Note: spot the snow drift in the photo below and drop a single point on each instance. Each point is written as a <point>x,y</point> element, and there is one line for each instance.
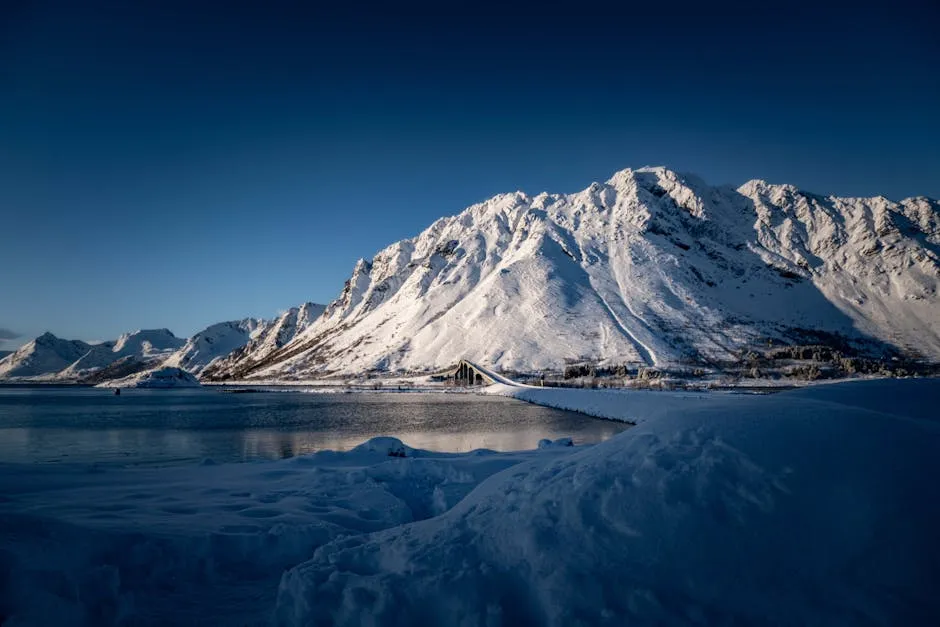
<point>787,510</point>
<point>808,507</point>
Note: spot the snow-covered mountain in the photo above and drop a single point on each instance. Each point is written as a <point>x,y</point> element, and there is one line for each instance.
<point>651,267</point>
<point>267,340</point>
<point>215,342</point>
<point>49,358</point>
<point>46,355</point>
<point>161,377</point>
<point>146,348</point>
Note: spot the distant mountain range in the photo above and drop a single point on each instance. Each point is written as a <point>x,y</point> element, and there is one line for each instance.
<point>50,359</point>
<point>651,268</point>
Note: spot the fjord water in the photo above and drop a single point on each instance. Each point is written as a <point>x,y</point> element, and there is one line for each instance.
<point>48,424</point>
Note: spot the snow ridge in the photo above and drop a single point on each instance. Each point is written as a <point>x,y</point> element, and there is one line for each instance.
<point>213,343</point>
<point>266,339</point>
<point>142,348</point>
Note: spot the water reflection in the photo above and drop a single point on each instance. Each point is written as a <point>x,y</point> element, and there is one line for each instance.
<point>273,445</point>
<point>169,427</point>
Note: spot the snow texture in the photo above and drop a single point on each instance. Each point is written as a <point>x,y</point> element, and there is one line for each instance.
<point>215,342</point>
<point>204,545</point>
<point>806,507</point>
<point>649,268</point>
<point>45,355</point>
<point>775,510</point>
<point>147,347</point>
<point>633,406</point>
<point>162,377</point>
<point>48,358</point>
<point>267,340</point>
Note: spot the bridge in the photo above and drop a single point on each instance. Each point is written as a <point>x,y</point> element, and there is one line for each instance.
<point>468,373</point>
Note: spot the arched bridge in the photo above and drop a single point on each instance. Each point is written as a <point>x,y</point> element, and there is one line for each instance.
<point>469,373</point>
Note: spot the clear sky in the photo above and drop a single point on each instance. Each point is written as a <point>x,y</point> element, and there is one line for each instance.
<point>174,164</point>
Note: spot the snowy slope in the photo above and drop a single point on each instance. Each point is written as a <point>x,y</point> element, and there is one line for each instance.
<point>650,267</point>
<point>813,507</point>
<point>785,510</point>
<point>162,377</point>
<point>45,355</point>
<point>215,342</point>
<point>147,347</point>
<point>268,339</point>
<point>51,359</point>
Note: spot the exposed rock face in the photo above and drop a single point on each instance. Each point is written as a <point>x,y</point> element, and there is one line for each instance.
<point>265,341</point>
<point>216,342</point>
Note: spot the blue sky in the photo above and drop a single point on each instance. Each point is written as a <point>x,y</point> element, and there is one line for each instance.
<point>169,166</point>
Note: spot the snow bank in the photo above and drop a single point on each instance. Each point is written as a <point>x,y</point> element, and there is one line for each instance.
<point>807,507</point>
<point>205,544</point>
<point>633,406</point>
<point>790,510</point>
<point>165,377</point>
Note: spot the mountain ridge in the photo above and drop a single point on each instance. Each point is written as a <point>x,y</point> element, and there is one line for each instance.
<point>659,239</point>
<point>50,359</point>
<point>649,268</point>
<point>278,333</point>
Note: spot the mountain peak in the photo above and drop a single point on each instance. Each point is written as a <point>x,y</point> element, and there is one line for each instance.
<point>652,267</point>
<point>45,355</point>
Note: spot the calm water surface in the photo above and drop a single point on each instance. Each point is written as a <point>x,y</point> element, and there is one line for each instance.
<point>70,424</point>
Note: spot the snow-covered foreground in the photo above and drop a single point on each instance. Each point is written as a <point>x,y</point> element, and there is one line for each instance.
<point>209,543</point>
<point>809,507</point>
<point>633,406</point>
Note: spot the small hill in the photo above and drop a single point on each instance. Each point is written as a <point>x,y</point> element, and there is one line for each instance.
<point>164,377</point>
